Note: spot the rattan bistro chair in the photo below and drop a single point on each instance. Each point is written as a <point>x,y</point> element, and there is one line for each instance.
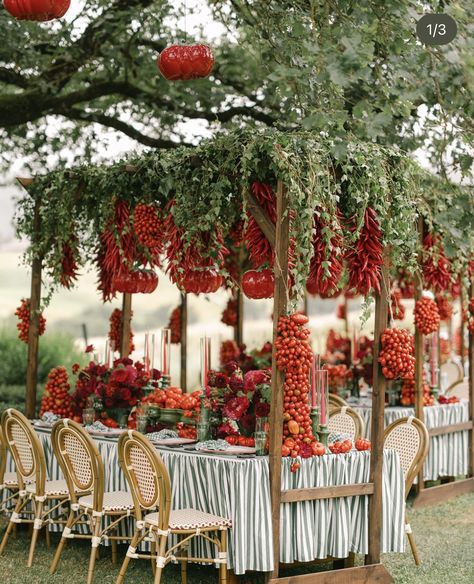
<point>409,437</point>
<point>83,468</point>
<point>460,389</point>
<point>8,480</point>
<point>345,420</point>
<point>151,490</point>
<point>47,497</point>
<point>335,402</point>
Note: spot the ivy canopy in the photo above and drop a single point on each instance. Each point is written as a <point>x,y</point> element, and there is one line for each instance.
<point>208,184</point>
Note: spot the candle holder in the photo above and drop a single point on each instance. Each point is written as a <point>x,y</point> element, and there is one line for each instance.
<point>204,411</point>
<point>202,431</point>
<point>205,360</point>
<point>314,415</point>
<point>165,353</point>
<point>355,391</point>
<point>323,434</point>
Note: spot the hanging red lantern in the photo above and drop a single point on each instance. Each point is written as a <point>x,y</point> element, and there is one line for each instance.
<point>135,282</point>
<point>201,281</point>
<point>185,62</point>
<point>257,285</point>
<point>40,10</point>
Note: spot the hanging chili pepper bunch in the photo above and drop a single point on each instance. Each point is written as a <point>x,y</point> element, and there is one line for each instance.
<point>398,309</point>
<point>115,331</point>
<point>174,325</point>
<point>23,326</point>
<point>397,356</point>
<point>294,357</point>
<point>426,316</point>
<point>405,283</point>
<point>436,267</point>
<point>68,265</point>
<point>445,307</point>
<point>229,315</point>
<point>326,264</point>
<point>260,250</point>
<point>365,258</point>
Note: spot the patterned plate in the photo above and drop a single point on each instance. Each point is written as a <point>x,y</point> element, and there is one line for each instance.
<point>174,441</point>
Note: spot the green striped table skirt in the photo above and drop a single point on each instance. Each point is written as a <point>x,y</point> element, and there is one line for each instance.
<point>238,488</point>
<point>448,454</point>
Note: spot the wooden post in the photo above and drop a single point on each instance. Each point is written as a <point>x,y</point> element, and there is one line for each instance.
<point>378,421</point>
<point>33,331</point>
<point>419,354</point>
<point>280,305</point>
<point>346,316</point>
<point>239,328</point>
<point>126,326</point>
<point>184,341</point>
<point>462,330</point>
<point>471,387</point>
<point>305,303</point>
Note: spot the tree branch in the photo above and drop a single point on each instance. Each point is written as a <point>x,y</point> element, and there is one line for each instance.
<point>12,77</point>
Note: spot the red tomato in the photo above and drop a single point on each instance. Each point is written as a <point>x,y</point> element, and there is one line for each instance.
<point>362,444</point>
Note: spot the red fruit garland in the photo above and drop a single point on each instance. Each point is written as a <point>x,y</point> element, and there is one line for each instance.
<point>445,308</point>
<point>174,325</point>
<point>398,309</point>
<point>436,267</point>
<point>426,316</point>
<point>56,397</point>
<point>115,331</point>
<point>397,356</point>
<point>229,315</point>
<point>408,393</point>
<point>294,356</point>
<point>365,259</point>
<point>23,313</point>
<point>148,227</point>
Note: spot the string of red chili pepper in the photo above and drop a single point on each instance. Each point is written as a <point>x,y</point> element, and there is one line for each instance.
<point>436,266</point>
<point>174,325</point>
<point>229,315</point>
<point>445,308</point>
<point>365,259</point>
<point>406,284</point>
<point>69,267</point>
<point>260,250</point>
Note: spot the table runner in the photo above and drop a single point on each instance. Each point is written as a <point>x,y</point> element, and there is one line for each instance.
<point>448,454</point>
<point>239,489</point>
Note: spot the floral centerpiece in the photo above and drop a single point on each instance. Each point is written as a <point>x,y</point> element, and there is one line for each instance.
<point>231,353</point>
<point>237,399</point>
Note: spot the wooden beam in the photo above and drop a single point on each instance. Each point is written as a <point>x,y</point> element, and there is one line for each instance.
<point>451,428</point>
<point>184,341</point>
<point>471,386</point>
<point>126,326</point>
<point>34,324</point>
<point>280,305</point>
<point>441,493</point>
<point>377,424</point>
<point>239,328</point>
<point>332,492</point>
<point>374,574</point>
<point>261,218</point>
<point>25,182</point>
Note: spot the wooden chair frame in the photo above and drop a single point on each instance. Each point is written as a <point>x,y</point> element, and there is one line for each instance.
<point>464,383</point>
<point>95,485</point>
<point>335,401</point>
<point>359,426</point>
<point>160,498</point>
<point>8,499</point>
<point>459,370</point>
<point>30,468</point>
<point>414,468</point>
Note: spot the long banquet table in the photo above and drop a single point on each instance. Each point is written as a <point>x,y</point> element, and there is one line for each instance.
<point>238,488</point>
<point>448,454</point>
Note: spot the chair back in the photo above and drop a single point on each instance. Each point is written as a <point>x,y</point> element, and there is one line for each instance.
<point>453,372</point>
<point>80,461</point>
<point>459,389</point>
<point>336,401</point>
<point>409,437</point>
<point>26,450</point>
<point>3,457</point>
<point>146,476</point>
<point>346,421</point>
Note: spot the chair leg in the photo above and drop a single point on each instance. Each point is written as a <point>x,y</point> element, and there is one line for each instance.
<point>126,561</point>
<point>37,525</point>
<point>114,550</point>
<point>11,525</point>
<point>414,549</point>
<point>153,560</point>
<point>162,540</point>
<point>223,549</point>
<point>96,522</point>
<point>184,565</point>
<point>62,543</point>
<point>47,535</point>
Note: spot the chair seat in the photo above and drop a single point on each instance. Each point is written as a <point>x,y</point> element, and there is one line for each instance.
<point>113,501</point>
<point>51,488</point>
<point>10,480</point>
<point>190,519</point>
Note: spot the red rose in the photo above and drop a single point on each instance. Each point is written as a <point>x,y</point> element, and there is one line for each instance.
<point>124,375</point>
<point>248,423</point>
<point>126,394</point>
<point>254,378</point>
<point>220,380</point>
<point>262,409</point>
<point>226,429</point>
<point>235,408</point>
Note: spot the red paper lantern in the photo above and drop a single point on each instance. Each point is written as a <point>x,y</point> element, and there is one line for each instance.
<point>201,281</point>
<point>40,10</point>
<point>258,285</point>
<point>135,282</point>
<point>185,62</point>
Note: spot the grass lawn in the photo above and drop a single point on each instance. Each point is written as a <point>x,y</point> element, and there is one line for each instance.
<point>444,533</point>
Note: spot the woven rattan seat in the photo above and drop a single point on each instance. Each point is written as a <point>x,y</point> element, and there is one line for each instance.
<point>58,487</point>
<point>114,501</point>
<point>151,490</point>
<point>345,420</point>
<point>10,480</point>
<point>183,519</point>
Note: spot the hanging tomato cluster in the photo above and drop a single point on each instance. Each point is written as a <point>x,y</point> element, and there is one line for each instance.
<point>56,397</point>
<point>397,356</point>
<point>184,62</point>
<point>436,267</point>
<point>68,266</point>
<point>426,316</point>
<point>135,281</point>
<point>229,315</point>
<point>174,325</point>
<point>23,326</point>
<point>148,226</point>
<point>366,257</point>
<point>408,393</point>
<point>115,331</point>
<point>39,10</point>
<point>445,308</point>
<point>258,285</point>
<point>341,311</point>
<point>321,281</point>
<point>398,309</point>
<point>294,356</point>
